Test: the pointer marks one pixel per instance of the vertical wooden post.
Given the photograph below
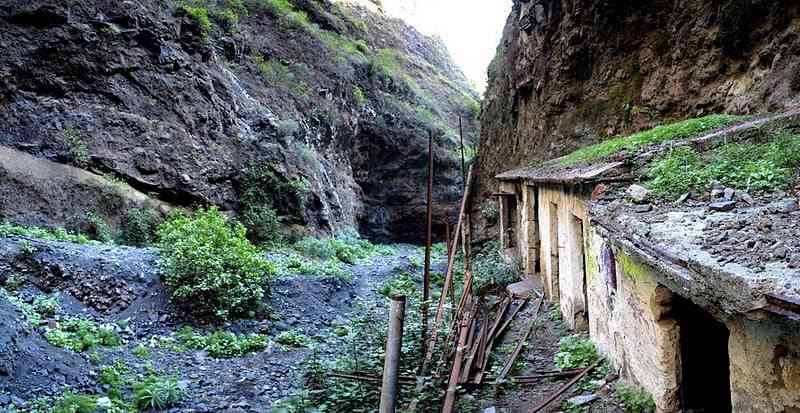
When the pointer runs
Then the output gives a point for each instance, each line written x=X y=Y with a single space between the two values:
x=455 y=373
x=391 y=366
x=426 y=275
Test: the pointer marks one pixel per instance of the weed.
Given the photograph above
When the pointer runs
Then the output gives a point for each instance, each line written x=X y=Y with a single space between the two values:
x=292 y=338
x=113 y=375
x=575 y=352
x=275 y=72
x=223 y=344
x=46 y=306
x=679 y=130
x=228 y=19
x=210 y=266
x=15 y=281
x=490 y=211
x=752 y=166
x=81 y=334
x=491 y=269
x=141 y=351
x=401 y=284
x=28 y=310
x=288 y=14
x=359 y=96
x=345 y=46
x=77 y=150
x=97 y=228
x=157 y=392
x=635 y=399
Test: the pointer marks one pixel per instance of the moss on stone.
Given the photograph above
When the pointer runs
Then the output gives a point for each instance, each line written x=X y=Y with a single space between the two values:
x=631 y=268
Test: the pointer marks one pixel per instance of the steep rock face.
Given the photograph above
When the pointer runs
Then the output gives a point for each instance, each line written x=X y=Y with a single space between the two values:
x=569 y=73
x=177 y=106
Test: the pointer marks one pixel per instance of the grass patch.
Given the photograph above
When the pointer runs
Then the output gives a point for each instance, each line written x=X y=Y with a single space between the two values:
x=292 y=338
x=752 y=166
x=679 y=130
x=157 y=393
x=223 y=344
x=59 y=234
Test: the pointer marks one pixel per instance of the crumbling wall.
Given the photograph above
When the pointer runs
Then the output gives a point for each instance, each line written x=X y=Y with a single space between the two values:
x=628 y=322
x=765 y=366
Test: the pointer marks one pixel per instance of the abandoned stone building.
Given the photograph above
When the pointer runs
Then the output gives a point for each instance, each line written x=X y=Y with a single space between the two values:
x=664 y=289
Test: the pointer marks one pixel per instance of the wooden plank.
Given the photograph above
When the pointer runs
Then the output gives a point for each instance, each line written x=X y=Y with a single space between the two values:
x=510 y=363
x=565 y=387
x=493 y=337
x=455 y=373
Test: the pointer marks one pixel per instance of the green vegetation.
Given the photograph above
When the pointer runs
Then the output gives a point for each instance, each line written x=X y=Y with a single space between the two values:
x=679 y=130
x=348 y=248
x=141 y=351
x=211 y=268
x=752 y=166
x=575 y=352
x=223 y=344
x=635 y=399
x=59 y=234
x=401 y=284
x=490 y=269
x=81 y=334
x=97 y=228
x=345 y=45
x=293 y=263
x=287 y=14
x=292 y=338
x=360 y=97
x=28 y=310
x=200 y=16
x=139 y=226
x=157 y=393
x=46 y=306
x=77 y=150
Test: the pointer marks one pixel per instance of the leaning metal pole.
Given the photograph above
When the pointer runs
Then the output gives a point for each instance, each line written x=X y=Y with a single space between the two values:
x=391 y=367
x=426 y=275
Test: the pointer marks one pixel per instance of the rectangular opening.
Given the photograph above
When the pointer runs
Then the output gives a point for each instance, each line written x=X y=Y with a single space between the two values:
x=704 y=360
x=509 y=221
x=578 y=265
x=554 y=245
x=534 y=265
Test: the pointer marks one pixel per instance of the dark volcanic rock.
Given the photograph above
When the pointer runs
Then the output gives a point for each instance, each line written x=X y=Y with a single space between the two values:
x=29 y=364
x=572 y=73
x=135 y=91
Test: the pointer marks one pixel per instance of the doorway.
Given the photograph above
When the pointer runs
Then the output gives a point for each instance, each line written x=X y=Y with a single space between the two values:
x=577 y=263
x=554 y=246
x=533 y=265
x=704 y=374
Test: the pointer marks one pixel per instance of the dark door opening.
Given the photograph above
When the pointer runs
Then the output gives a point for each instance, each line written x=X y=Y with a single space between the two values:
x=705 y=363
x=534 y=240
x=554 y=246
x=578 y=255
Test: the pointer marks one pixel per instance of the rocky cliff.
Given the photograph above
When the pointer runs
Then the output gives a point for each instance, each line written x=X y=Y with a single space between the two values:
x=569 y=73
x=184 y=100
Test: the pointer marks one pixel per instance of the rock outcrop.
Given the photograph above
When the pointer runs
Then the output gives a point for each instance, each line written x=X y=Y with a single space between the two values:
x=571 y=73
x=180 y=101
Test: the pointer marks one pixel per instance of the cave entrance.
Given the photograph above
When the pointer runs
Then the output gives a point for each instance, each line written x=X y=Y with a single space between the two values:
x=705 y=363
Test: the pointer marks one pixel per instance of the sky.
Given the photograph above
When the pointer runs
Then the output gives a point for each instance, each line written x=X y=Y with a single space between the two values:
x=471 y=29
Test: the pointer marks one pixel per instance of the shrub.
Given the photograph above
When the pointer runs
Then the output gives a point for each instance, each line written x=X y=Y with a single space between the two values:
x=210 y=265
x=228 y=19
x=635 y=399
x=46 y=306
x=59 y=234
x=139 y=226
x=157 y=393
x=316 y=247
x=359 y=96
x=287 y=14
x=77 y=150
x=80 y=334
x=491 y=269
x=293 y=339
x=223 y=344
x=70 y=402
x=263 y=225
x=141 y=351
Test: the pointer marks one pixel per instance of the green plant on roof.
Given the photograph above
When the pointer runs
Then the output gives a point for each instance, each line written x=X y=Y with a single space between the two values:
x=679 y=130
x=751 y=166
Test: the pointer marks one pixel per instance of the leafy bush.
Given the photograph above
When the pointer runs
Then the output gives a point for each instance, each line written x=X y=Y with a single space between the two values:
x=292 y=263
x=70 y=402
x=293 y=339
x=287 y=13
x=139 y=226
x=78 y=152
x=575 y=352
x=679 y=130
x=210 y=266
x=223 y=344
x=491 y=269
x=401 y=284
x=360 y=97
x=141 y=351
x=46 y=306
x=316 y=247
x=80 y=334
x=764 y=166
x=635 y=399
x=157 y=392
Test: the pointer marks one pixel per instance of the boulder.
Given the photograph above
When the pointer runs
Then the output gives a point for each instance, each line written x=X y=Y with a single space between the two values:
x=638 y=193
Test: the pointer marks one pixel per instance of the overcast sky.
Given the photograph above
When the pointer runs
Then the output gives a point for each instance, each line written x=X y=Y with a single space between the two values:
x=471 y=28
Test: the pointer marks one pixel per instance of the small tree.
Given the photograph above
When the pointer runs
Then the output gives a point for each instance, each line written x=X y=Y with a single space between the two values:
x=211 y=268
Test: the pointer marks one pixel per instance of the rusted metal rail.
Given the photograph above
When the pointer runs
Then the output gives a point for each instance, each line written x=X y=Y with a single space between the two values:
x=510 y=363
x=555 y=395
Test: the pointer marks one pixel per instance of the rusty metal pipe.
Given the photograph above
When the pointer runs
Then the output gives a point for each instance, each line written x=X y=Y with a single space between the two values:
x=391 y=366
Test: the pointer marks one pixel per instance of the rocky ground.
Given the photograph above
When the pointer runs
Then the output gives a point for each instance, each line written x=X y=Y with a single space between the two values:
x=121 y=285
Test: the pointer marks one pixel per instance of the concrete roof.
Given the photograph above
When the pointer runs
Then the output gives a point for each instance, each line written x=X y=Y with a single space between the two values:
x=560 y=174
x=683 y=242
